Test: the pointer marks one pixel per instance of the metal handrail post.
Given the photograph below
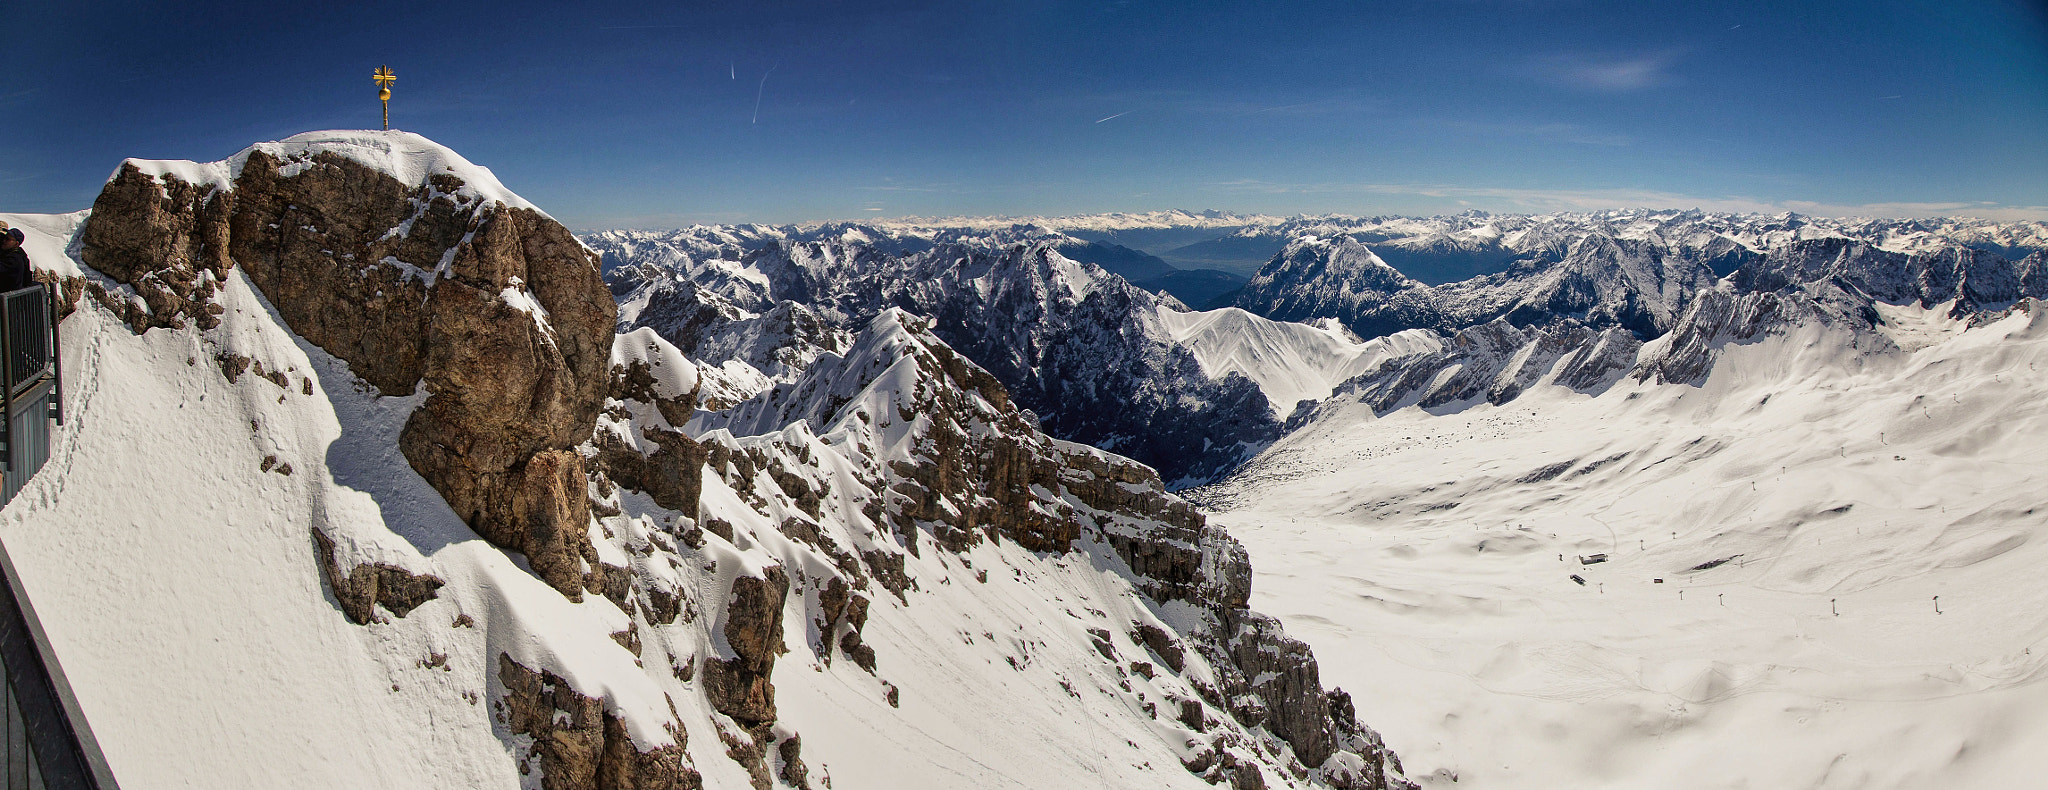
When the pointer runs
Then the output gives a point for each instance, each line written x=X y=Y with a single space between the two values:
x=56 y=357
x=7 y=384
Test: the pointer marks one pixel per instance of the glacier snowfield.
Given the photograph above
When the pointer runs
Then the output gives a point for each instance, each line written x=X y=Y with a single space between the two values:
x=1802 y=508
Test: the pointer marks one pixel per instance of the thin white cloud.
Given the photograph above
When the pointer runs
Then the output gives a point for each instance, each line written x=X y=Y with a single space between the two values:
x=1607 y=74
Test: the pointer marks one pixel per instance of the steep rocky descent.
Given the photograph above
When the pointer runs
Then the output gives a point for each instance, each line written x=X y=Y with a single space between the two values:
x=861 y=490
x=1973 y=280
x=1082 y=349
x=414 y=266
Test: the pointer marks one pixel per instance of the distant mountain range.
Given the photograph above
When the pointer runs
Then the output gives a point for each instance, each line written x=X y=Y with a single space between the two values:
x=1066 y=311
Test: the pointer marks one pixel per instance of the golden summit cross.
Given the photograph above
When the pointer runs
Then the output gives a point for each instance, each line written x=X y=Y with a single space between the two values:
x=384 y=78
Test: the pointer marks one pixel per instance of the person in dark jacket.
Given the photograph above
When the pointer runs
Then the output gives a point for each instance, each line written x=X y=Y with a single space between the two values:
x=15 y=273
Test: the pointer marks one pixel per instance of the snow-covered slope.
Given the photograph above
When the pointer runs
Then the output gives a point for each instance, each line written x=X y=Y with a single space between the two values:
x=280 y=543
x=167 y=547
x=1776 y=536
x=1290 y=362
x=409 y=158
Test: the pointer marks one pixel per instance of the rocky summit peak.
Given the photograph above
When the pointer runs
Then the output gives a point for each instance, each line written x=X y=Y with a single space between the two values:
x=415 y=266
x=410 y=158
x=535 y=522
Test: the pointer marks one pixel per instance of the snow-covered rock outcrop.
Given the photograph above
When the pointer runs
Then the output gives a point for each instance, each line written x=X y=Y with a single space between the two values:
x=1082 y=349
x=416 y=267
x=364 y=486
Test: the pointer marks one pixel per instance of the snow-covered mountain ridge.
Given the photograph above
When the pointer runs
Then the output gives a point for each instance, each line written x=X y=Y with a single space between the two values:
x=1081 y=348
x=455 y=531
x=1568 y=278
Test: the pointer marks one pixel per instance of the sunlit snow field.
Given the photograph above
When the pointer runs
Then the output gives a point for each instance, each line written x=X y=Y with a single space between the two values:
x=1427 y=558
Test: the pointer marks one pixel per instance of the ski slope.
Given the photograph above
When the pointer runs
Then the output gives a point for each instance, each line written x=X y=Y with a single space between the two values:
x=1840 y=482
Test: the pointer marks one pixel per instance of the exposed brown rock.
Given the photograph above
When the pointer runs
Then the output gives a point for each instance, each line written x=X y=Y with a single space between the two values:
x=1161 y=644
x=750 y=754
x=662 y=606
x=579 y=744
x=1288 y=682
x=739 y=687
x=167 y=240
x=673 y=476
x=509 y=392
x=793 y=771
x=366 y=585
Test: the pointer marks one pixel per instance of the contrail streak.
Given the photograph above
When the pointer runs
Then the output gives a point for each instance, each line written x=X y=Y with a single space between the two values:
x=1118 y=115
x=757 y=92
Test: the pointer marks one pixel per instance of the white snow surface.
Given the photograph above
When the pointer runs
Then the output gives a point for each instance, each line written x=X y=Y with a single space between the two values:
x=1845 y=483
x=1290 y=362
x=179 y=586
x=408 y=157
x=170 y=558
x=46 y=237
x=674 y=375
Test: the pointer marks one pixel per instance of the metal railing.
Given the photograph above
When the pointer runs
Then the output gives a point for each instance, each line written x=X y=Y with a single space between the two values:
x=28 y=341
x=44 y=741
x=29 y=337
x=31 y=372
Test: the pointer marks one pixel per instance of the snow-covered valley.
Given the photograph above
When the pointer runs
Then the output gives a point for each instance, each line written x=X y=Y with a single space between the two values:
x=1775 y=538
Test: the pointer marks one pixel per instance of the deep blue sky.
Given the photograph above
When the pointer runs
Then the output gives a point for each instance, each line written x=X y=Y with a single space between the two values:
x=646 y=114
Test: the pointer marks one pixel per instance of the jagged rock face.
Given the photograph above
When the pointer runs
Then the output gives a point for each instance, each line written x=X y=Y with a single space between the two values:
x=168 y=241
x=1079 y=347
x=1974 y=279
x=973 y=468
x=779 y=342
x=1494 y=362
x=739 y=687
x=1582 y=321
x=1312 y=277
x=578 y=744
x=2032 y=272
x=1635 y=270
x=499 y=311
